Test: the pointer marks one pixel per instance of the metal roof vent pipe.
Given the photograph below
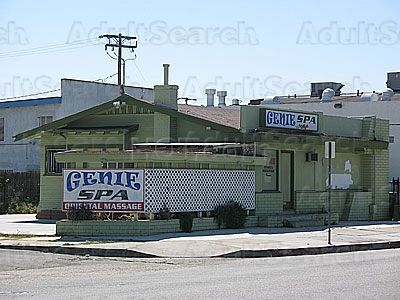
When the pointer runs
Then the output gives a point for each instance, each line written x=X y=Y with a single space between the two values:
x=369 y=97
x=387 y=94
x=221 y=98
x=210 y=97
x=235 y=102
x=327 y=95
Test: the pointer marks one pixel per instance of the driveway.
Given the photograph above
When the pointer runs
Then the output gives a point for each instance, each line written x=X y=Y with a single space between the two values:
x=26 y=224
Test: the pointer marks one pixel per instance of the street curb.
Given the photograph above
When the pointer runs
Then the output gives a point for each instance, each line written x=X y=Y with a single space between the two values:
x=82 y=251
x=126 y=253
x=310 y=250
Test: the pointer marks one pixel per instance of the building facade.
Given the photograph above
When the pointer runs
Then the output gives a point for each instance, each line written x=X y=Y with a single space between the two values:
x=192 y=157
x=356 y=107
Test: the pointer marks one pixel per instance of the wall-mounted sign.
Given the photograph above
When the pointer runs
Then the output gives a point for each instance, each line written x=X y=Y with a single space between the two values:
x=290 y=120
x=103 y=190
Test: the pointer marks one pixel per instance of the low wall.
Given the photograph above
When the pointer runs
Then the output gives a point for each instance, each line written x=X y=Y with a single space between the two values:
x=350 y=205
x=135 y=228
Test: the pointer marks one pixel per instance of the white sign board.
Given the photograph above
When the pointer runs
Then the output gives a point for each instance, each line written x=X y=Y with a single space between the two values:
x=330 y=149
x=291 y=120
x=101 y=190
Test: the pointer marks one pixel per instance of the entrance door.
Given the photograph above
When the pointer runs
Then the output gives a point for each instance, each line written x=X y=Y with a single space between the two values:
x=287 y=182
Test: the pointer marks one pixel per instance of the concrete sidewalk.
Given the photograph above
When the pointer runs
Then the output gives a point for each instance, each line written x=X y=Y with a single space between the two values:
x=26 y=224
x=249 y=242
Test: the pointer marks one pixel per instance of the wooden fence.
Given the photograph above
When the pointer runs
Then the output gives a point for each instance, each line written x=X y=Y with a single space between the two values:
x=18 y=187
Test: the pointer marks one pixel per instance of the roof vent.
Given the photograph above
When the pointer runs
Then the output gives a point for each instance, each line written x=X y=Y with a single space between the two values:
x=271 y=100
x=210 y=96
x=369 y=97
x=387 y=94
x=317 y=88
x=235 y=101
x=221 y=98
x=327 y=95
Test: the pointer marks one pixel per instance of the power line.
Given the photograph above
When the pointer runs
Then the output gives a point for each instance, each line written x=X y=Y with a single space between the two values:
x=52 y=91
x=48 y=49
x=30 y=95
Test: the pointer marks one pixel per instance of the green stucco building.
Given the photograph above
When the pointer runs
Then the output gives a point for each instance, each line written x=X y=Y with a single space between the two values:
x=193 y=158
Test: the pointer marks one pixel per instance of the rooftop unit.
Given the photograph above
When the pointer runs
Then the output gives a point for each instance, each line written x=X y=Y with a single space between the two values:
x=318 y=87
x=393 y=81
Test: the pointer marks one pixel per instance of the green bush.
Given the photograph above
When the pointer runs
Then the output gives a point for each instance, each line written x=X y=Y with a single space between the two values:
x=21 y=208
x=186 y=222
x=164 y=213
x=77 y=214
x=231 y=215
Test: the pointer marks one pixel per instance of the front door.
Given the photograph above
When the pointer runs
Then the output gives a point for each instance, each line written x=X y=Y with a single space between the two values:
x=287 y=182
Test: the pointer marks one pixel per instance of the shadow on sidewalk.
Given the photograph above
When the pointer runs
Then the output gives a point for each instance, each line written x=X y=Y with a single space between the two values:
x=228 y=233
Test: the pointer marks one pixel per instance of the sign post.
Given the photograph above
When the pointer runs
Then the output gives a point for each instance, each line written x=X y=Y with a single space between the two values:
x=329 y=154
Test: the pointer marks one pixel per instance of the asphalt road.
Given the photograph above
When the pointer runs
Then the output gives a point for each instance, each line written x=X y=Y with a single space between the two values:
x=357 y=275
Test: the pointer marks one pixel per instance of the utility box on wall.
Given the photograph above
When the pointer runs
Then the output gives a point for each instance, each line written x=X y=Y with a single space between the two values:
x=310 y=156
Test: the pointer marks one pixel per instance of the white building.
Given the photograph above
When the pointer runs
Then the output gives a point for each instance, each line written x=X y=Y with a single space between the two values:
x=21 y=115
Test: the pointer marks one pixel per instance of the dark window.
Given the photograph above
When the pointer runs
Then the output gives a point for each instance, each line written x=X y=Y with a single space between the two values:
x=52 y=166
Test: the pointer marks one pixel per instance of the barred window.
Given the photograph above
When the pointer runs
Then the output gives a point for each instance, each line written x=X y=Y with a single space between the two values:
x=52 y=166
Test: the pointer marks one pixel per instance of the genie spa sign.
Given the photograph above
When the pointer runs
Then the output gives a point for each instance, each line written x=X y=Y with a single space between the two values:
x=103 y=190
x=289 y=120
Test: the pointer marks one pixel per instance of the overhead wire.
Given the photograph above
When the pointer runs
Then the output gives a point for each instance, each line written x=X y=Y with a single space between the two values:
x=51 y=91
x=49 y=49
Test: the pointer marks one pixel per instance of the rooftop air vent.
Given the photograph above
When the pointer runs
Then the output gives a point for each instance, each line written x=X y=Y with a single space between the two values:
x=387 y=94
x=369 y=97
x=210 y=97
x=327 y=95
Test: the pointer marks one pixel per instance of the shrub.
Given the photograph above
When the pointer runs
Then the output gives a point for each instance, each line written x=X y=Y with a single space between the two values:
x=21 y=208
x=164 y=213
x=77 y=214
x=186 y=222
x=231 y=215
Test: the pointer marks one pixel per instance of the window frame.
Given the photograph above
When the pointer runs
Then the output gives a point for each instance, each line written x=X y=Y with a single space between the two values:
x=53 y=167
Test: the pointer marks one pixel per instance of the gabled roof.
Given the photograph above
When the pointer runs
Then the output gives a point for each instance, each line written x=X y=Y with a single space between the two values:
x=229 y=115
x=129 y=100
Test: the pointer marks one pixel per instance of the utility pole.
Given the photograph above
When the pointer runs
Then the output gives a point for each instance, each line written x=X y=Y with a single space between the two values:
x=117 y=41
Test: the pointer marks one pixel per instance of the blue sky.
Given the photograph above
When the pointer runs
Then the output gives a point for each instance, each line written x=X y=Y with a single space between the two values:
x=252 y=49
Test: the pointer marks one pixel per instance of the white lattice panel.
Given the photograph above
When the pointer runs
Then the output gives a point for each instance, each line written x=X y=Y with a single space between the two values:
x=190 y=190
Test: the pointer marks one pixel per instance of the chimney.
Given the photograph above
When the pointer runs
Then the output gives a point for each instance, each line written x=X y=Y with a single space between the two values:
x=166 y=67
x=210 y=97
x=221 y=98
x=166 y=95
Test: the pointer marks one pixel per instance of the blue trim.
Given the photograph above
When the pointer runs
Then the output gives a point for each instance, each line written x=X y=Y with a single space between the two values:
x=30 y=102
